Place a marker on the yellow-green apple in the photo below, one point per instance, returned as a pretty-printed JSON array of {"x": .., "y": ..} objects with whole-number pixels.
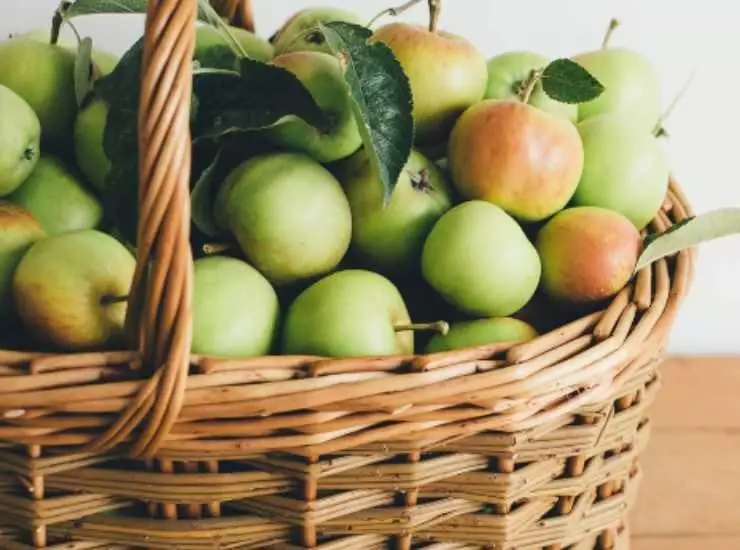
[
  {"x": 446, "y": 71},
  {"x": 54, "y": 195},
  {"x": 321, "y": 74},
  {"x": 479, "y": 260},
  {"x": 104, "y": 61},
  {"x": 43, "y": 75},
  {"x": 89, "y": 132},
  {"x": 69, "y": 290},
  {"x": 300, "y": 33},
  {"x": 389, "y": 237},
  {"x": 347, "y": 314},
  {"x": 255, "y": 47},
  {"x": 480, "y": 332},
  {"x": 235, "y": 309},
  {"x": 588, "y": 255},
  {"x": 289, "y": 215},
  {"x": 20, "y": 134},
  {"x": 18, "y": 231},
  {"x": 518, "y": 157},
  {"x": 508, "y": 73},
  {"x": 632, "y": 86},
  {"x": 626, "y": 168}
]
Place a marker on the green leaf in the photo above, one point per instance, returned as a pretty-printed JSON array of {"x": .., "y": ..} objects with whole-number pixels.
[
  {"x": 122, "y": 86},
  {"x": 257, "y": 97},
  {"x": 204, "y": 195},
  {"x": 83, "y": 70},
  {"x": 216, "y": 58},
  {"x": 566, "y": 81},
  {"x": 690, "y": 233},
  {"x": 92, "y": 7},
  {"x": 381, "y": 93}
]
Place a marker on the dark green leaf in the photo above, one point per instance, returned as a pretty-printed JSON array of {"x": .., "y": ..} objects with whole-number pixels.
[
  {"x": 92, "y": 7},
  {"x": 259, "y": 97},
  {"x": 83, "y": 70},
  {"x": 216, "y": 58},
  {"x": 122, "y": 86},
  {"x": 381, "y": 93},
  {"x": 204, "y": 195},
  {"x": 566, "y": 81},
  {"x": 690, "y": 233}
]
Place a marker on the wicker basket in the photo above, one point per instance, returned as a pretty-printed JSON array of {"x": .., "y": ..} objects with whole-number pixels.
[{"x": 506, "y": 446}]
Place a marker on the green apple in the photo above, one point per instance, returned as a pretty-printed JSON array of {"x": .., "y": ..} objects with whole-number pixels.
[
  {"x": 480, "y": 332},
  {"x": 298, "y": 33},
  {"x": 507, "y": 73},
  {"x": 43, "y": 75},
  {"x": 289, "y": 215},
  {"x": 447, "y": 74},
  {"x": 208, "y": 37},
  {"x": 479, "y": 260},
  {"x": 68, "y": 290},
  {"x": 235, "y": 309},
  {"x": 89, "y": 131},
  {"x": 349, "y": 313},
  {"x": 104, "y": 61},
  {"x": 626, "y": 168},
  {"x": 633, "y": 87},
  {"x": 18, "y": 231},
  {"x": 321, "y": 74},
  {"x": 20, "y": 134},
  {"x": 57, "y": 199},
  {"x": 389, "y": 237}
]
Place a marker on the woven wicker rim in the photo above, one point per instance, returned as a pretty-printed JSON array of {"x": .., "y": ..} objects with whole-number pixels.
[{"x": 161, "y": 401}]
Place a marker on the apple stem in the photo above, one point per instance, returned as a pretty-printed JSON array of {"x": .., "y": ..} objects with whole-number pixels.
[
  {"x": 216, "y": 248},
  {"x": 528, "y": 86},
  {"x": 112, "y": 300},
  {"x": 57, "y": 21},
  {"x": 443, "y": 327},
  {"x": 29, "y": 153},
  {"x": 435, "y": 7},
  {"x": 394, "y": 12},
  {"x": 659, "y": 130},
  {"x": 613, "y": 26}
]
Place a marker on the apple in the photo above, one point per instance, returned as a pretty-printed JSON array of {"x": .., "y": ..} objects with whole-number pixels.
[
  {"x": 588, "y": 255},
  {"x": 633, "y": 87},
  {"x": 480, "y": 332},
  {"x": 104, "y": 61},
  {"x": 68, "y": 290},
  {"x": 208, "y": 37},
  {"x": 518, "y": 157},
  {"x": 235, "y": 309},
  {"x": 89, "y": 132},
  {"x": 18, "y": 231},
  {"x": 349, "y": 313},
  {"x": 626, "y": 169},
  {"x": 57, "y": 199},
  {"x": 43, "y": 75},
  {"x": 20, "y": 134},
  {"x": 509, "y": 71},
  {"x": 389, "y": 237},
  {"x": 299, "y": 32},
  {"x": 480, "y": 261},
  {"x": 321, "y": 74},
  {"x": 288, "y": 214},
  {"x": 447, "y": 75}
]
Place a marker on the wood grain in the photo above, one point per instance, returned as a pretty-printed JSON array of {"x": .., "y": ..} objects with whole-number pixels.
[{"x": 690, "y": 496}]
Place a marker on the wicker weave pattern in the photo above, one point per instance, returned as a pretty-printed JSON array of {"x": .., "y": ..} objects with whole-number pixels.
[{"x": 507, "y": 446}]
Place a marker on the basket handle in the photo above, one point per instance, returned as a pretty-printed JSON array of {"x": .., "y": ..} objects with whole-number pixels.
[{"x": 239, "y": 13}]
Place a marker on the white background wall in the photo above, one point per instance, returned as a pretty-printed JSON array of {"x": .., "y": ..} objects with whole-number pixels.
[{"x": 698, "y": 36}]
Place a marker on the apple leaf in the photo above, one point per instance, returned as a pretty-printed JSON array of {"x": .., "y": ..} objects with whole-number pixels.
[
  {"x": 203, "y": 196},
  {"x": 381, "y": 94},
  {"x": 566, "y": 81},
  {"x": 83, "y": 70},
  {"x": 92, "y": 7},
  {"x": 259, "y": 96},
  {"x": 689, "y": 233}
]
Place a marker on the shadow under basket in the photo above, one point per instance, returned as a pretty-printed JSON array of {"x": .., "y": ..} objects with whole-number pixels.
[{"x": 508, "y": 446}]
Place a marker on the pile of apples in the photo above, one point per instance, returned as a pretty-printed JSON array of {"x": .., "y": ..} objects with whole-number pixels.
[{"x": 509, "y": 200}]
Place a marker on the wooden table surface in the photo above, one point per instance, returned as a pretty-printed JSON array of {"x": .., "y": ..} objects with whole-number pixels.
[{"x": 690, "y": 496}]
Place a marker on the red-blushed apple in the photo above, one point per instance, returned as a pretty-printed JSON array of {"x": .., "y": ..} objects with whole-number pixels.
[
  {"x": 588, "y": 255},
  {"x": 447, "y": 73},
  {"x": 517, "y": 157}
]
